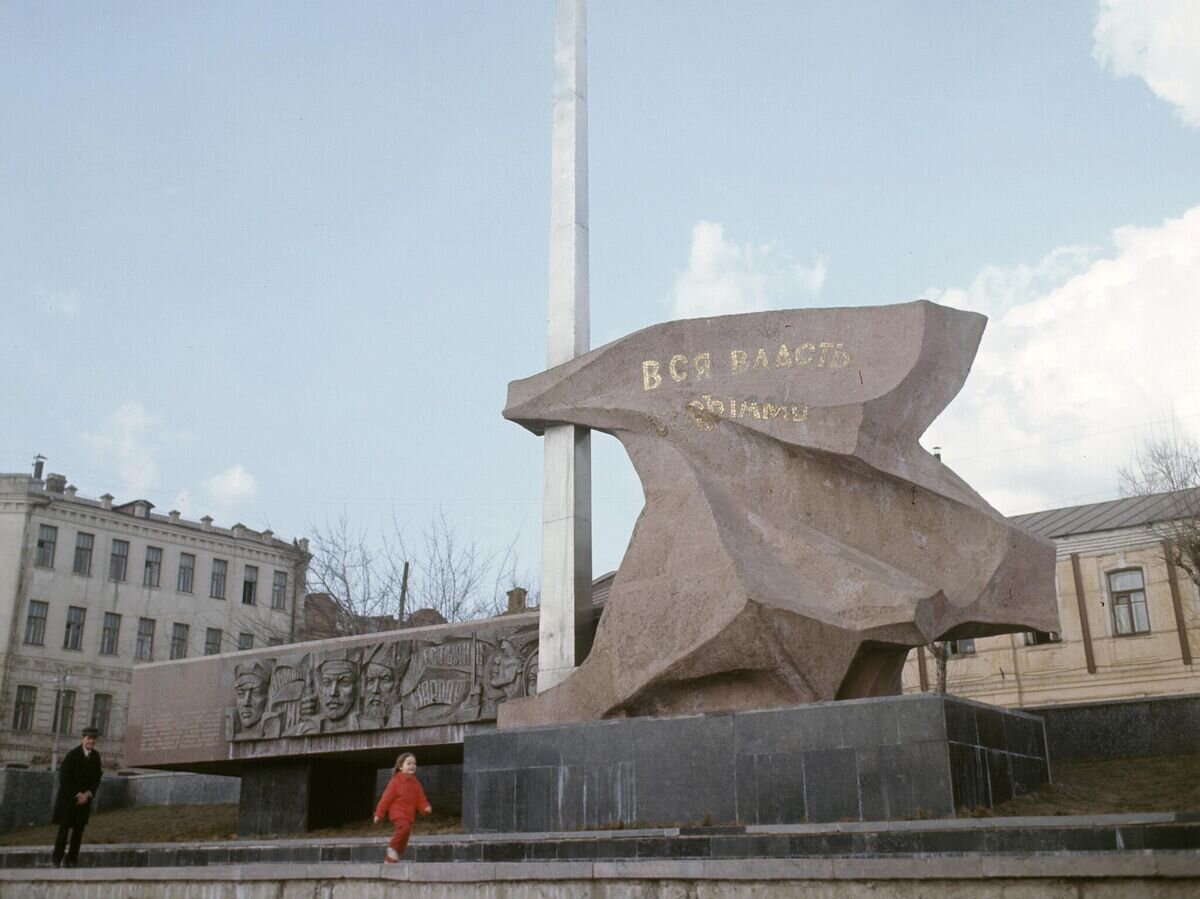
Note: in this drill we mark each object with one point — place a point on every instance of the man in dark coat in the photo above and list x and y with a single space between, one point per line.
78 781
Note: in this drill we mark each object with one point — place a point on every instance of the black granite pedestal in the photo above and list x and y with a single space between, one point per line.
295 796
855 760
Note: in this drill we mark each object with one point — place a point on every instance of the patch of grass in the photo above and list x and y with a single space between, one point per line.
1115 786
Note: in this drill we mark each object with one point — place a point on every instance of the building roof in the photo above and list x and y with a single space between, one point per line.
1113 515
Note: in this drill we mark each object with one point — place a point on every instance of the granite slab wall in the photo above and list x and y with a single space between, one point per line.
1163 725
297 795
858 760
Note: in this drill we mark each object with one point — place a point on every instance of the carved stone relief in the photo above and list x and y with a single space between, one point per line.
394 683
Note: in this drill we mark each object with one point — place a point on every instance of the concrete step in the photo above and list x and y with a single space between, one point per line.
987 836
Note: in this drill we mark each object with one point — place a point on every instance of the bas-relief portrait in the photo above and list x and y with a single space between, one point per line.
391 684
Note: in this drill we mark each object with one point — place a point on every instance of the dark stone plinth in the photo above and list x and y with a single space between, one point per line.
858 760
295 796
1123 728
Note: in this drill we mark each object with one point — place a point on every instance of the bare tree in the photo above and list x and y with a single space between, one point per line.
361 586
452 575
941 657
357 587
1169 468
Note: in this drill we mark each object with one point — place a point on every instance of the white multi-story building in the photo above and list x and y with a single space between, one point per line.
88 589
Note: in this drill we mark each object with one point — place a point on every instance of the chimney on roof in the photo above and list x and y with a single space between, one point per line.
206 523
268 535
69 493
303 544
38 461
56 483
239 530
937 453
106 501
173 515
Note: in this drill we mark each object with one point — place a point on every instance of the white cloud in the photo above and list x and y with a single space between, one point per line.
231 486
1083 353
1157 41
128 440
723 278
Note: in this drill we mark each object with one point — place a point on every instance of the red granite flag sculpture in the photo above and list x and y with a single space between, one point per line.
796 540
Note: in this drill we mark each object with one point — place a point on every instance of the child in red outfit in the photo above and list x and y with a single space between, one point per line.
401 801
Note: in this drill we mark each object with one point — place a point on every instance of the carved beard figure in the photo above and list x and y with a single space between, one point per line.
379 694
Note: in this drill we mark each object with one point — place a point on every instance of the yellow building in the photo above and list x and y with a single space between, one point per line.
1130 624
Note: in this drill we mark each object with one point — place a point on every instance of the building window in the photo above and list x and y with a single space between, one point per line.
187 570
217 590
47 538
1040 638
153 573
274 641
23 709
83 554
245 641
110 634
35 622
279 591
961 647
101 708
249 585
212 641
144 650
64 712
118 560
1129 602
179 635
73 635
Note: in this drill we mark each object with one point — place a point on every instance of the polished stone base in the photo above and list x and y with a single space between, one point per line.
856 760
295 796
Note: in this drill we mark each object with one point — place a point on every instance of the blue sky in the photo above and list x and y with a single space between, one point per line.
276 261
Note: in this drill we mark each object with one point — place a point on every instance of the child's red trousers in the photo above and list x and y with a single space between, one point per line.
399 840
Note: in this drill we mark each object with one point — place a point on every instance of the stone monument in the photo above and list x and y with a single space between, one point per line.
796 541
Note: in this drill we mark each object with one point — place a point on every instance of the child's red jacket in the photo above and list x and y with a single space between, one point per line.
402 799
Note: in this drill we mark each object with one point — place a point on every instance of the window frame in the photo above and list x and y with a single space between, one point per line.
152 571
73 630
24 708
211 648
245 641
113 647
115 557
143 648
30 619
47 537
279 590
191 573
223 576
101 722
1119 599
63 722
84 570
179 640
250 585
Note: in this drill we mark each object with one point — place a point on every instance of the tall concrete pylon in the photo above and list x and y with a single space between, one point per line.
566 587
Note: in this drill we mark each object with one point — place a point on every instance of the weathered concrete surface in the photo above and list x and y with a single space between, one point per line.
1085 876
796 539
358 697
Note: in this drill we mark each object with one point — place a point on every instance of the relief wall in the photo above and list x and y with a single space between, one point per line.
394 683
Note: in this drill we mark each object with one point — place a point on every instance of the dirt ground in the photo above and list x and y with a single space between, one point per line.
1110 787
